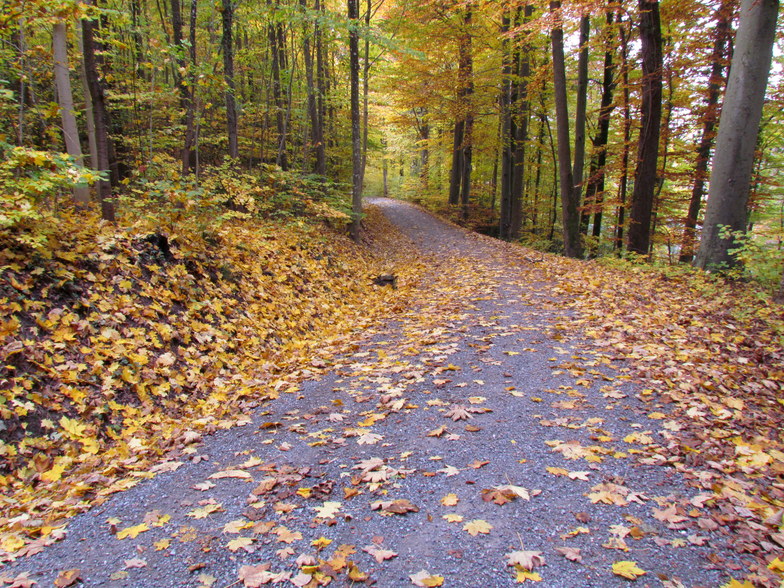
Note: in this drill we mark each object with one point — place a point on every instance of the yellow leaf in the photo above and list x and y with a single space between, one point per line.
132 532
55 473
627 569
320 543
523 575
450 500
241 543
12 543
162 544
453 518
477 526
73 427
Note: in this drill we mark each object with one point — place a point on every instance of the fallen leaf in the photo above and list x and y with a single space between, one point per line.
450 500
528 560
627 569
66 578
425 579
570 553
378 553
477 527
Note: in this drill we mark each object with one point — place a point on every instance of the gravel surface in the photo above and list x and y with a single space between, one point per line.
468 389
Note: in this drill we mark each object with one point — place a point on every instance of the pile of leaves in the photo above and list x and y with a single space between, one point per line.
124 343
710 353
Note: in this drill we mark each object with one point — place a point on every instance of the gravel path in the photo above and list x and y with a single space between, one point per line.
430 441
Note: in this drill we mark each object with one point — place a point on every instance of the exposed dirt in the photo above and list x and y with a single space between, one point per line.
458 404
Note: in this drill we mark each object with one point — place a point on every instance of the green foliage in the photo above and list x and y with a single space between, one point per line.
760 258
30 183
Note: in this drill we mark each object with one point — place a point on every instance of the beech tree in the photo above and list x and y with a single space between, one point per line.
356 135
726 212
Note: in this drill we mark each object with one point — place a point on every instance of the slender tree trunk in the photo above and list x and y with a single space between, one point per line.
569 203
356 136
313 113
62 80
455 174
227 47
188 155
709 119
102 138
627 133
639 237
522 109
505 103
318 132
366 89
738 130
580 110
466 73
89 115
594 192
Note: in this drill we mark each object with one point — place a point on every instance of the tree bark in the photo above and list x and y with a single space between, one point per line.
102 138
188 151
709 119
639 237
627 133
581 107
356 135
62 80
227 47
737 137
594 191
569 203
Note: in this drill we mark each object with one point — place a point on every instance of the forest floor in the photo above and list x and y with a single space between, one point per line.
514 417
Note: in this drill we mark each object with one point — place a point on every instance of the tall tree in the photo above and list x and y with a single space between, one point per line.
639 237
737 138
102 138
356 134
594 191
569 197
721 41
462 149
580 114
227 46
62 80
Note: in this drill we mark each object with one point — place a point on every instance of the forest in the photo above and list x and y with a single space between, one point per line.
187 238
587 129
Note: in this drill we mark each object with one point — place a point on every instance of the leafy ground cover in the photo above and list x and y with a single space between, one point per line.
504 416
122 343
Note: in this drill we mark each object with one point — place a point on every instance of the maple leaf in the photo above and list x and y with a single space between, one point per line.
162 544
285 535
369 439
203 512
132 532
437 432
452 518
668 515
242 474
379 554
400 506
255 576
477 526
135 562
328 510
627 569
458 412
450 500
236 526
425 579
528 560
245 543
66 578
570 553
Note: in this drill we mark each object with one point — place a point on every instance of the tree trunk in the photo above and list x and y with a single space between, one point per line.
466 83
580 109
356 136
62 79
520 131
505 103
227 47
313 113
318 131
710 117
738 130
594 192
89 114
627 133
569 203
455 174
366 90
639 237
102 138
188 153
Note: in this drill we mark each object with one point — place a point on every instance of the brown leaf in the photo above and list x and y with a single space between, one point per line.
570 553
68 578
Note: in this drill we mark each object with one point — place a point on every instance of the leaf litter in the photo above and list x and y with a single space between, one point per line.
636 475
